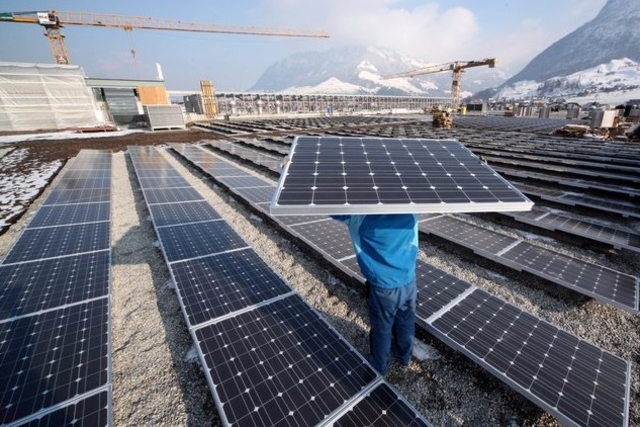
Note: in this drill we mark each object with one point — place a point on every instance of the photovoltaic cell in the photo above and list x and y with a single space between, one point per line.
171 195
157 173
578 382
607 285
91 411
83 183
479 239
194 240
436 289
331 175
280 365
382 407
180 213
55 215
163 182
88 195
44 284
38 243
243 181
52 357
257 194
329 236
217 285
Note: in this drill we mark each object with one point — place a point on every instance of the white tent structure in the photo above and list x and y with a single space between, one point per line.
45 97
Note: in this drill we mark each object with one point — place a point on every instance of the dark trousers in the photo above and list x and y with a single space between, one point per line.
392 316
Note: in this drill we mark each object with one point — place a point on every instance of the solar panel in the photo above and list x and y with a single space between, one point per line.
163 182
76 183
436 289
328 236
280 364
85 195
55 215
30 287
607 285
49 242
198 239
178 213
578 382
91 411
381 407
257 194
550 221
480 239
602 283
171 195
217 285
327 175
242 181
53 357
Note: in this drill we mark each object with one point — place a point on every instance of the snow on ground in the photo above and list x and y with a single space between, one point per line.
19 187
48 136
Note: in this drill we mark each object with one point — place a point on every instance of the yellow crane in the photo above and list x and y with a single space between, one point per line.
456 67
54 21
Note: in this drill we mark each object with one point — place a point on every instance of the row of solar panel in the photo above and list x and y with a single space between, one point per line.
579 184
492 332
615 237
270 359
55 356
626 209
607 285
552 221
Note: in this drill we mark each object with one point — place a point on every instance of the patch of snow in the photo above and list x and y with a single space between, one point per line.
255 218
19 188
52 136
533 236
192 355
423 351
329 86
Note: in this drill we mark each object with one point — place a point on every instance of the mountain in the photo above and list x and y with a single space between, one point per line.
597 61
614 82
613 34
358 70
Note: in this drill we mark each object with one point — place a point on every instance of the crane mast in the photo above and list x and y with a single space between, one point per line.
53 21
456 67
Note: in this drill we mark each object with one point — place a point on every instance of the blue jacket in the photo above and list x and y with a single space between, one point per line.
386 247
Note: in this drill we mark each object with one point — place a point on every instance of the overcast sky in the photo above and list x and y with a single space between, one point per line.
441 31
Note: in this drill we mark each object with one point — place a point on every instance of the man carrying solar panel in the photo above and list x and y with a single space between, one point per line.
386 248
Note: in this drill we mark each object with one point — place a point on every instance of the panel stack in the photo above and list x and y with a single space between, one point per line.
270 358
55 356
577 382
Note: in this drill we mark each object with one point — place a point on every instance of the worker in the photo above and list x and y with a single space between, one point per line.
386 249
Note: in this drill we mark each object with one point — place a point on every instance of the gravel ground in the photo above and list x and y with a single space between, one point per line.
157 383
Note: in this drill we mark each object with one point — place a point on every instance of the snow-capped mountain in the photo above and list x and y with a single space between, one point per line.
596 62
613 34
358 70
614 82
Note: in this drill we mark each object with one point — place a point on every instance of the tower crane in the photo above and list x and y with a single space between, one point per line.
54 21
456 67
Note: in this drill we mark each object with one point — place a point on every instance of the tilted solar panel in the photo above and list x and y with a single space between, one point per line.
332 175
281 365
50 358
30 287
216 285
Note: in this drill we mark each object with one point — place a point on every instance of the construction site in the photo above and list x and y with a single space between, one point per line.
145 279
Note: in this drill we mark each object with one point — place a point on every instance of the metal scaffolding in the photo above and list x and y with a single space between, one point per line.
247 103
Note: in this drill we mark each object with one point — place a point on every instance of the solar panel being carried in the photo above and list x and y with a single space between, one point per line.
333 175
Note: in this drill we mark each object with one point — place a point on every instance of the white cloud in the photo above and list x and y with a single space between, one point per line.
426 31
